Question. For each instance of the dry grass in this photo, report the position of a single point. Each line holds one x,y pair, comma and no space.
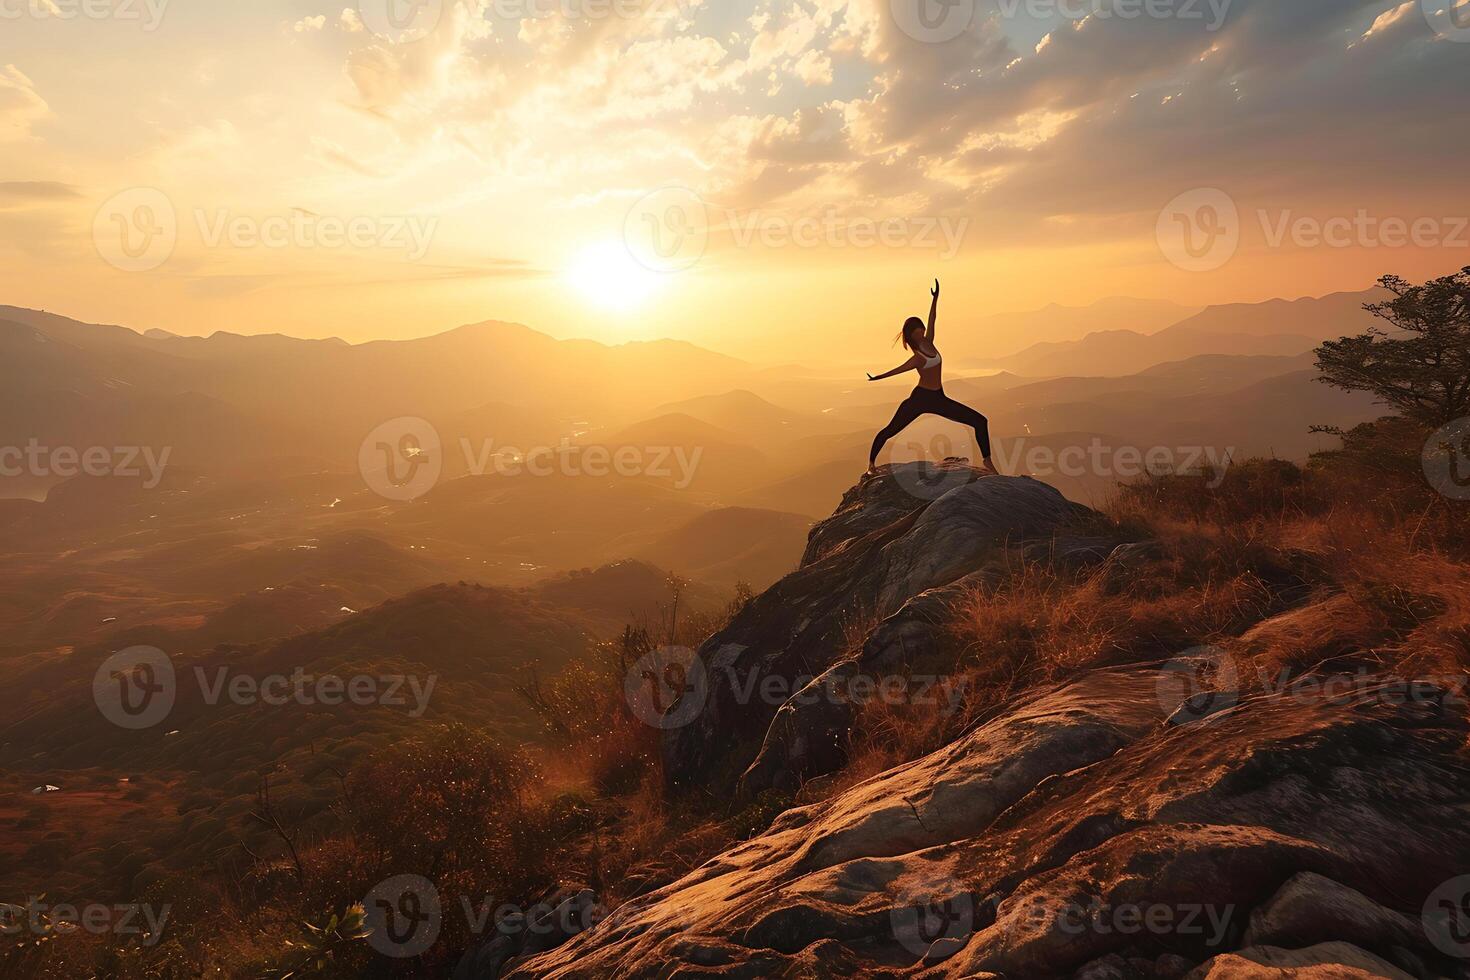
1040,626
1290,571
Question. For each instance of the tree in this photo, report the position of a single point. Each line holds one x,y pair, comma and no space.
1422,366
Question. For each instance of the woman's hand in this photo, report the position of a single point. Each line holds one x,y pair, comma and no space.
933,313
871,378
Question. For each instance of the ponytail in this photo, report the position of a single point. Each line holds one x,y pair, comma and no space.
911,324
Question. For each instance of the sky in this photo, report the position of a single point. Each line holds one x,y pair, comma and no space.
766,179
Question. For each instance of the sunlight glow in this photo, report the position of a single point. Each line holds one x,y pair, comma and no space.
611,278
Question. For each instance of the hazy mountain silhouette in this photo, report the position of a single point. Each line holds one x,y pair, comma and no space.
1123,352
1320,318
1278,327
733,544
984,336
69,382
754,418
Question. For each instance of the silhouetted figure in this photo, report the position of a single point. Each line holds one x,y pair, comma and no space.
928,398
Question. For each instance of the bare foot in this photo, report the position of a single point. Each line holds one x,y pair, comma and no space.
988,468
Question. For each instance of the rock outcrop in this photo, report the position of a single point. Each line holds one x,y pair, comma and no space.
1328,961
909,529
1078,827
1091,830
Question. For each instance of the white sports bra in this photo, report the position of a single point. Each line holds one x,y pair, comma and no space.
931,362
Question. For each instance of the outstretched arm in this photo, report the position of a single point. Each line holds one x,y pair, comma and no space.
933,313
908,365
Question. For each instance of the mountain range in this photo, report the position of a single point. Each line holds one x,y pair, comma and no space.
263,513
1278,327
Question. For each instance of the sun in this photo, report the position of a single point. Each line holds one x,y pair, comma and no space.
610,277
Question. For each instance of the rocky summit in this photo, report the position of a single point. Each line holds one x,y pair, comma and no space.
1127,822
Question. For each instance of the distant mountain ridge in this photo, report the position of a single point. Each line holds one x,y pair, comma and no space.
67,382
979,338
1115,353
1320,318
1275,328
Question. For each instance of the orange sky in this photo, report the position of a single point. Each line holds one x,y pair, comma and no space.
764,178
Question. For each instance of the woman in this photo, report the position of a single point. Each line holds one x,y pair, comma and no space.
929,397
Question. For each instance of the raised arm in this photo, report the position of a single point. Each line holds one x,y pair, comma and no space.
933,313
908,365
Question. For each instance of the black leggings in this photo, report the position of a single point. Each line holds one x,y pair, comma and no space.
929,401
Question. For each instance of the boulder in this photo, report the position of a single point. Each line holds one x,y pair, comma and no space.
1310,909
917,632
806,738
1327,961
1111,967
880,500
950,536
1170,966
1070,553
808,735
910,529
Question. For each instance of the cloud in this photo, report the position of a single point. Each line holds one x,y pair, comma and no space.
1388,18
20,105
814,68
308,25
1078,123
390,78
1276,102
789,41
21,193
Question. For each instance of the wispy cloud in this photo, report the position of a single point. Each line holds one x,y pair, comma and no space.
23,193
21,106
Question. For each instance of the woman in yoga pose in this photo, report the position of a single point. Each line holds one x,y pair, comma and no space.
928,398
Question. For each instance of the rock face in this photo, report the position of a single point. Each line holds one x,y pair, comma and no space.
910,529
1078,831
1312,909
1090,830
1328,961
